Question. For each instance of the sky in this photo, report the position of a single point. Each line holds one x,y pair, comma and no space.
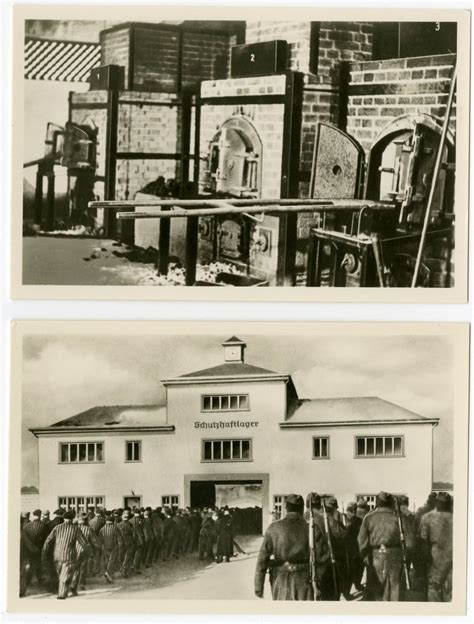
65,375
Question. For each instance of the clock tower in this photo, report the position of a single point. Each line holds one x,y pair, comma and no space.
234,350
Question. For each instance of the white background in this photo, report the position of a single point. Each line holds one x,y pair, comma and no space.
181,311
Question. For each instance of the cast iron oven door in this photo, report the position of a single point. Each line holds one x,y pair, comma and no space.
235,157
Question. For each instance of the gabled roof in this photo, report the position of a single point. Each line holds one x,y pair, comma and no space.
49,59
228,371
350,410
233,340
113,418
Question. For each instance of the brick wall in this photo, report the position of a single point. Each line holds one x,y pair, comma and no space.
297,34
115,45
379,91
156,56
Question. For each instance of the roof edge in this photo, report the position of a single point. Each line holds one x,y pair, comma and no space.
348,423
51,430
186,381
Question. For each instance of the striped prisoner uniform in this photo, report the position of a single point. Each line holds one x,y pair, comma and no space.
110,540
64,537
83,556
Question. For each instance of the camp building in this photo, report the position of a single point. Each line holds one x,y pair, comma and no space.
234,433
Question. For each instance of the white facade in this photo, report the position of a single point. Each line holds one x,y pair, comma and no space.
173,460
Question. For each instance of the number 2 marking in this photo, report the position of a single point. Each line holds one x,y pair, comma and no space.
252,58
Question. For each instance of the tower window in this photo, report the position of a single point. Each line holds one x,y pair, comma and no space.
224,402
321,448
133,451
379,446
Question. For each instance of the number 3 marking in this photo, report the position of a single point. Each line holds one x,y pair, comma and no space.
437,27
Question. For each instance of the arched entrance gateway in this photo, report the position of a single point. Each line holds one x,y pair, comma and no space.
248,491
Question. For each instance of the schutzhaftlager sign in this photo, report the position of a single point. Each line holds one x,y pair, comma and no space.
225,424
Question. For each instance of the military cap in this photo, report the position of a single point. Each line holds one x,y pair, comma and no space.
46,512
69,515
403,500
384,499
59,512
432,497
352,507
442,497
294,499
37,512
313,500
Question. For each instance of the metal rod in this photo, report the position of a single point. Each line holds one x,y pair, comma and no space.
214,212
216,203
434,180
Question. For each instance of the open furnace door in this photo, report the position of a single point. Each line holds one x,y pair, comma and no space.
338,164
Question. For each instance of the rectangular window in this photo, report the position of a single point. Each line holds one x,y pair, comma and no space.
170,500
80,503
279,506
379,446
226,450
133,451
321,448
81,452
370,498
225,403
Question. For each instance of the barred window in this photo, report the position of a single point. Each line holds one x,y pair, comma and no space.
379,446
133,451
170,500
321,448
80,503
226,450
81,452
224,402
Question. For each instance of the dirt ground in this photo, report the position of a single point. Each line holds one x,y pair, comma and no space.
186,578
183,579
82,261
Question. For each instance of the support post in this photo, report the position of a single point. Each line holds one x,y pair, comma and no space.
192,230
39,196
111,160
289,187
50,201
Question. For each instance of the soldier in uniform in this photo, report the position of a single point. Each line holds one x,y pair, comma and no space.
356,565
206,537
362,508
65,537
286,542
157,522
381,549
169,535
436,534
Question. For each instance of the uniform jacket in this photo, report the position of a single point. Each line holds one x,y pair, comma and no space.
380,527
54,522
288,541
436,533
148,531
65,537
157,525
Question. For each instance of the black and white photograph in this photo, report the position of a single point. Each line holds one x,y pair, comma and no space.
304,157
324,464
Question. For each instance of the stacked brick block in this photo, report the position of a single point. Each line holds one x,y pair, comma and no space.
382,90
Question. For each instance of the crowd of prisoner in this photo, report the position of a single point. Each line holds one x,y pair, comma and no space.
62,552
389,553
